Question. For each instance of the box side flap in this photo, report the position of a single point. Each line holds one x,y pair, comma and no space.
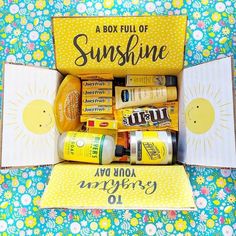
81,186
119,45
206,122
29,133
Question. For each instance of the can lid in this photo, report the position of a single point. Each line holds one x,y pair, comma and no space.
171,93
171,80
121,151
174,146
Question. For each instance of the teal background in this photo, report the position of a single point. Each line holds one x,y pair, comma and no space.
25,37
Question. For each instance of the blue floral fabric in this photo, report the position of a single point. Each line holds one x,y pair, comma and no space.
25,37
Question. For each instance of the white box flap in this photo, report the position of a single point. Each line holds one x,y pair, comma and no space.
29,134
206,122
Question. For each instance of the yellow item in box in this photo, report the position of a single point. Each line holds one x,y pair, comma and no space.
106,127
67,105
84,118
96,77
118,186
97,84
97,110
161,116
143,96
144,80
88,101
119,45
150,80
102,124
96,92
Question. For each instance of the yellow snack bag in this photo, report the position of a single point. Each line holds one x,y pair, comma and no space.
161,116
67,106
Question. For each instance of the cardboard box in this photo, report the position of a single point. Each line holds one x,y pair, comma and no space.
208,86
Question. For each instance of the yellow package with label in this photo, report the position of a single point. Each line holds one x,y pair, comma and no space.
84,118
96,77
67,105
161,116
102,126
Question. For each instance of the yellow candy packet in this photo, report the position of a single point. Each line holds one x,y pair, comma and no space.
67,105
161,116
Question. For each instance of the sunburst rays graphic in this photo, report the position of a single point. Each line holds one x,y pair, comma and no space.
206,115
14,109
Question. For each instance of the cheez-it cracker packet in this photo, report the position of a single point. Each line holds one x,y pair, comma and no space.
161,116
67,105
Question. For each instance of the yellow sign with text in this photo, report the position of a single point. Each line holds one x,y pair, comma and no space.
114,186
119,45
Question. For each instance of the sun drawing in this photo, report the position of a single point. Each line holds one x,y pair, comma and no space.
206,116
31,117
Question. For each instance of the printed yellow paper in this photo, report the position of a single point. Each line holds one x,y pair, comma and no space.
118,186
119,45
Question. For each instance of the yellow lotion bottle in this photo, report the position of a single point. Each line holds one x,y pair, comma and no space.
141,96
86,147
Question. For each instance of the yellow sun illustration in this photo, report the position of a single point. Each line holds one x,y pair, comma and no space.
38,116
199,115
206,116
30,115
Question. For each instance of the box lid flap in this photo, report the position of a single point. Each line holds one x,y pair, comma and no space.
29,134
118,186
206,121
119,45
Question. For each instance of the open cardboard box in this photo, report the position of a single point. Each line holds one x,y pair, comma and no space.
155,46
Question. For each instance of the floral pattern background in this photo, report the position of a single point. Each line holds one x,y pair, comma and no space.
25,37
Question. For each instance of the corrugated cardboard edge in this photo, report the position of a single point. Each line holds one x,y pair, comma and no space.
1,119
54,17
234,108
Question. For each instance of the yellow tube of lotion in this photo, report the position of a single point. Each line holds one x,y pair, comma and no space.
141,96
